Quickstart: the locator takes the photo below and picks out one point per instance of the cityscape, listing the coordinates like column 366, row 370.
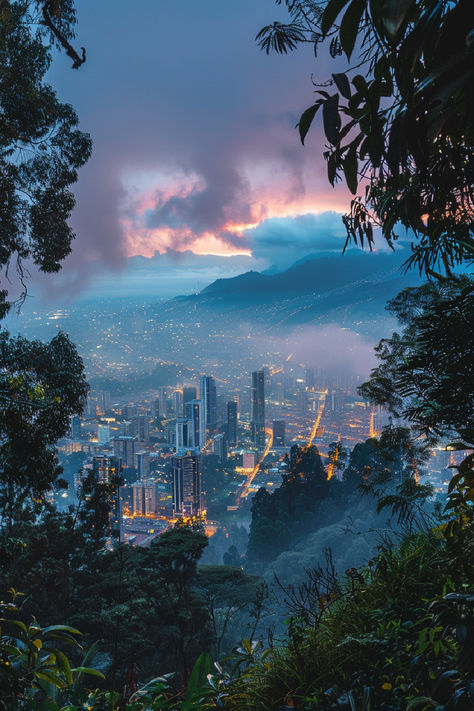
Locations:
column 201, row 451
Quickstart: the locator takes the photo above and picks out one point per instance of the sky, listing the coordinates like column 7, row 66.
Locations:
column 195, row 148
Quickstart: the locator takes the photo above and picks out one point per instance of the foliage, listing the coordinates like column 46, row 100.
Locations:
column 33, row 667
column 41, row 386
column 425, row 373
column 399, row 119
column 41, row 148
column 279, row 518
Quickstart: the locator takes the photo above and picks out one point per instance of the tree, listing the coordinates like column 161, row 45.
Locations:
column 41, row 386
column 400, row 118
column 426, row 372
column 385, row 462
column 41, row 148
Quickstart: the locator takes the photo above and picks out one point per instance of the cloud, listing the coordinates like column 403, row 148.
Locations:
column 333, row 349
column 283, row 240
column 193, row 129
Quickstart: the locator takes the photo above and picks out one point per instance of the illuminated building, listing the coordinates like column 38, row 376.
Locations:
column 140, row 428
column 257, row 408
column 187, row 489
column 142, row 463
column 103, row 434
column 278, row 433
column 207, row 395
column 76, row 431
column 248, row 460
column 232, row 423
column 178, row 403
column 183, row 431
column 144, row 499
column 107, row 470
column 220, row 446
column 196, row 431
column 124, row 447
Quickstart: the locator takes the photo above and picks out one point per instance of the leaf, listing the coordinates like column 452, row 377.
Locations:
column 63, row 664
column 307, row 119
column 393, row 13
column 38, row 643
column 88, row 670
column 60, row 628
column 198, row 677
column 331, row 11
column 350, row 25
column 331, row 119
column 342, row 83
column 350, row 166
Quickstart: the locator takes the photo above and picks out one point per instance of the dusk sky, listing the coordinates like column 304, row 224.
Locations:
column 195, row 146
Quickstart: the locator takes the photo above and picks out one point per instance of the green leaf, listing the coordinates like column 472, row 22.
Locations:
column 63, row 664
column 342, row 83
column 350, row 166
column 88, row 670
column 331, row 11
column 306, row 120
column 60, row 628
column 331, row 119
column 350, row 25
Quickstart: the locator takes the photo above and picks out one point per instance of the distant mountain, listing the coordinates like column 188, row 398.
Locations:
column 350, row 289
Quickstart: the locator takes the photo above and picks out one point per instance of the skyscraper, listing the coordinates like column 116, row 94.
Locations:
column 124, row 447
column 144, row 498
column 220, row 446
column 196, row 433
column 183, row 427
column 257, row 408
column 76, row 431
column 207, row 395
column 107, row 470
column 232, row 423
column 278, row 433
column 187, row 493
column 140, row 428
column 189, row 393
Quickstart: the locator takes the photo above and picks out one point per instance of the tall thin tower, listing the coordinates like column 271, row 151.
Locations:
column 209, row 404
column 257, row 408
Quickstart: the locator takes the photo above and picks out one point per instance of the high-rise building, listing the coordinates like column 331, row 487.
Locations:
column 207, row 395
column 278, row 433
column 187, row 489
column 232, row 423
column 189, row 393
column 220, row 446
column 257, row 408
column 183, row 428
column 104, row 402
column 124, row 447
column 142, row 463
column 196, row 431
column 144, row 498
column 107, row 470
column 178, row 403
column 76, row 431
column 140, row 428
column 103, row 434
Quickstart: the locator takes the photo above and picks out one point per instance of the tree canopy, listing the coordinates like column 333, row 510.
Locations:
column 399, row 121
column 41, row 148
column 426, row 372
